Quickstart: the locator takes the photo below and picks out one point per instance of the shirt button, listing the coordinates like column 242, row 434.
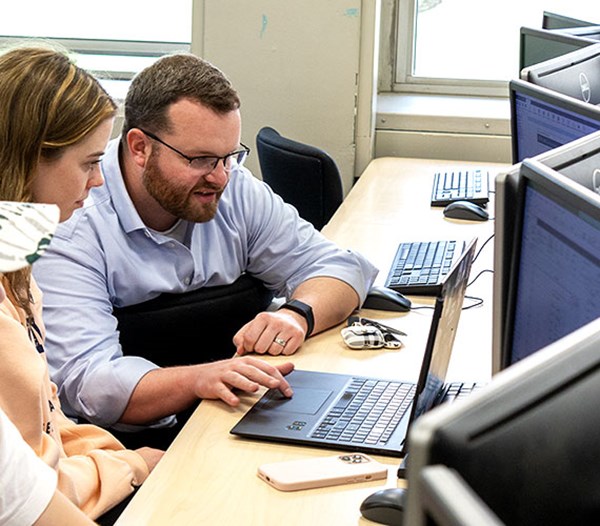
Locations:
column 187, row 281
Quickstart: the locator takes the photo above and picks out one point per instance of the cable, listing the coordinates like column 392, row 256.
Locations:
column 478, row 302
column 482, row 247
column 477, row 277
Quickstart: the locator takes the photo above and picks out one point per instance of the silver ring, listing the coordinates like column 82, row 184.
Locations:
column 280, row 341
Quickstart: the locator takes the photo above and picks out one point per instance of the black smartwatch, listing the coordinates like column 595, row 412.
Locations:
column 304, row 310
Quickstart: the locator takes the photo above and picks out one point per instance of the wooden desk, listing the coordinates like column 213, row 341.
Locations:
column 209, row 477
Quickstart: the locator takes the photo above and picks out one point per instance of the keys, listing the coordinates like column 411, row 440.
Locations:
column 421, row 265
column 368, row 412
column 471, row 185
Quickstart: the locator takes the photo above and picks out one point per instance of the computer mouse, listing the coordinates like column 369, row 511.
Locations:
column 384, row 298
column 385, row 506
column 466, row 210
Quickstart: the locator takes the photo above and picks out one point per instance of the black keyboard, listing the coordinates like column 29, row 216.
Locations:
column 367, row 413
column 460, row 185
column 458, row 390
column 419, row 267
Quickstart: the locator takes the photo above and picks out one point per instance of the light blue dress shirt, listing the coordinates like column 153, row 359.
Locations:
column 105, row 256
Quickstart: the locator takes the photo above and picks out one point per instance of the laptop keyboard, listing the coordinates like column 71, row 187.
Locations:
column 460, row 185
column 367, row 413
column 458, row 390
column 420, row 266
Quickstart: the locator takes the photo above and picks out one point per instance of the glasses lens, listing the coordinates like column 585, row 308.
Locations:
column 204, row 165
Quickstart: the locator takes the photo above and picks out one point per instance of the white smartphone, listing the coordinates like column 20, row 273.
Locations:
column 323, row 471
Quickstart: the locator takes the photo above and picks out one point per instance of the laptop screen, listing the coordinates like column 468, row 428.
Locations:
column 438, row 350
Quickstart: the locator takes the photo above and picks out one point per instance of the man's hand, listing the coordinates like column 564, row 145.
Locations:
column 219, row 379
column 279, row 332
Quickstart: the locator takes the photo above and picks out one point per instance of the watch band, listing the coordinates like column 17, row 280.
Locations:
column 304, row 310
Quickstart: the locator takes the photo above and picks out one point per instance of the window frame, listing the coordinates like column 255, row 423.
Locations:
column 108, row 47
column 401, row 78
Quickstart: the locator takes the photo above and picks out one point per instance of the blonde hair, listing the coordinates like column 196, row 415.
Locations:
column 47, row 104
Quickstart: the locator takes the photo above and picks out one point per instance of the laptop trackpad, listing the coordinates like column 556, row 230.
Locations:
column 307, row 401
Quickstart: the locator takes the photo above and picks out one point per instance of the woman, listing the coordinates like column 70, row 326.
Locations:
column 28, row 492
column 55, row 122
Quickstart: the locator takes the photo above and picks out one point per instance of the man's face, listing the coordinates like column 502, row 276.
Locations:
column 171, row 180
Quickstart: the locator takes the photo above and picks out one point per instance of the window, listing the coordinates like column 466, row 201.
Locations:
column 114, row 38
column 465, row 46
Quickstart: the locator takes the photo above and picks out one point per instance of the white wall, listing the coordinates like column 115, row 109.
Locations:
column 296, row 67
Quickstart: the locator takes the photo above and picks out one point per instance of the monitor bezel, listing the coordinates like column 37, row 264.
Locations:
column 592, row 31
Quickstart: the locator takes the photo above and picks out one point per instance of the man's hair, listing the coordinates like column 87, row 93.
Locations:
column 170, row 79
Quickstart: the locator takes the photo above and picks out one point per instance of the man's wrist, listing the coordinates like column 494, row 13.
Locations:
column 304, row 310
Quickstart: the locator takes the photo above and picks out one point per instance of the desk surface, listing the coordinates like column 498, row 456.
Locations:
column 209, row 476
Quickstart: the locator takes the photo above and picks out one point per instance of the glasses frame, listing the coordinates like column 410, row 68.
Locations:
column 245, row 150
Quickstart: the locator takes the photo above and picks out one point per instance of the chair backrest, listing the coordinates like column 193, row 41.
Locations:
column 192, row 327
column 304, row 176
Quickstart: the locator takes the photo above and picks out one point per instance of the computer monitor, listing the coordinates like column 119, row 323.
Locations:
column 589, row 32
column 576, row 74
column 539, row 45
column 543, row 119
column 578, row 162
column 554, row 283
column 552, row 20
column 525, row 445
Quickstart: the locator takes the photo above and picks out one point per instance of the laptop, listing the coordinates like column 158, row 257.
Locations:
column 319, row 413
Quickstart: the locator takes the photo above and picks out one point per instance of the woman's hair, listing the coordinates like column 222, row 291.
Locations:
column 47, row 104
column 170, row 79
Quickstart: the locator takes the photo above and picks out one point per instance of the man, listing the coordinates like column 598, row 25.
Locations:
column 179, row 212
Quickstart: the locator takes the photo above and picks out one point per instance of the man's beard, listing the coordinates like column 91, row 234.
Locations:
column 177, row 201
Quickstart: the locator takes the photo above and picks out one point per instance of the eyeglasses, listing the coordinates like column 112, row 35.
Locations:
column 205, row 164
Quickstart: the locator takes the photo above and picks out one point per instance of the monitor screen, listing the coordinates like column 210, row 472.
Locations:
column 539, row 45
column 542, row 119
column 580, row 162
column 526, row 444
column 576, row 74
column 554, row 283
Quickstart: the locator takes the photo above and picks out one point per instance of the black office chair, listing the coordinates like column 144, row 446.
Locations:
column 183, row 329
column 193, row 327
column 304, row 176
